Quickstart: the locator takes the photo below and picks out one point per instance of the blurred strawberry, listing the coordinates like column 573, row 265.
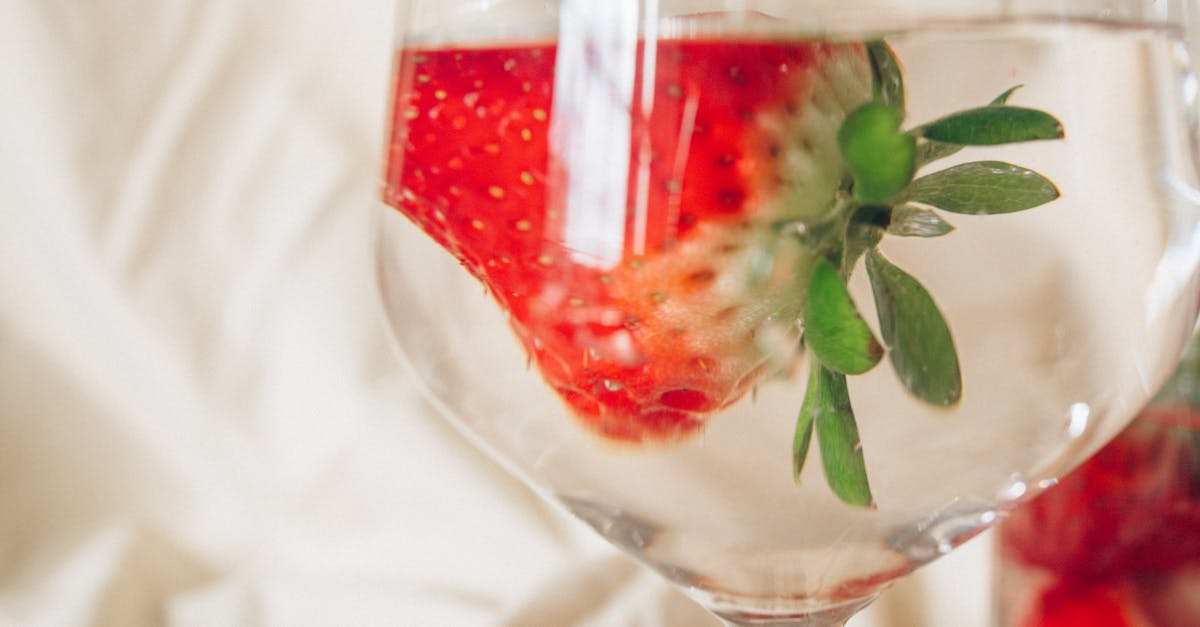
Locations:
column 1075, row 604
column 1132, row 508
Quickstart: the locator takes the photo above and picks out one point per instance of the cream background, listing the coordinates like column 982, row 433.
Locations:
column 200, row 424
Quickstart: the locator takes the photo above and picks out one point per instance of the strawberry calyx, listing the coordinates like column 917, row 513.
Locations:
column 880, row 196
column 879, row 157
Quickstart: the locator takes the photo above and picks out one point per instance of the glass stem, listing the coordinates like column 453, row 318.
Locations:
column 832, row 616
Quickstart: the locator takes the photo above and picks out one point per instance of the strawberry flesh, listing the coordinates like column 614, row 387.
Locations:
column 737, row 138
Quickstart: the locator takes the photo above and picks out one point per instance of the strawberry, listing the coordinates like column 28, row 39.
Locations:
column 1074, row 604
column 1148, row 600
column 1133, row 508
column 702, row 295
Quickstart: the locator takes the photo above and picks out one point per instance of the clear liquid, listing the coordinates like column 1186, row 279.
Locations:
column 1066, row 318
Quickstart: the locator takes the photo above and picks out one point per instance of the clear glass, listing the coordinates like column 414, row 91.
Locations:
column 601, row 227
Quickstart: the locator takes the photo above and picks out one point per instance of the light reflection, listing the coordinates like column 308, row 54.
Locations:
column 641, row 202
column 1015, row 489
column 1078, row 418
column 591, row 130
column 687, row 127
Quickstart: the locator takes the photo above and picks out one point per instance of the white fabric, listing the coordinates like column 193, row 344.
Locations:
column 200, row 424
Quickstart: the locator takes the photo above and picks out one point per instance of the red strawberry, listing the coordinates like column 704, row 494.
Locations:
column 1132, row 508
column 1074, row 604
column 700, row 291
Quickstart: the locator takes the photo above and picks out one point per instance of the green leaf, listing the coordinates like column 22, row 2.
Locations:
column 993, row 124
column 878, row 156
column 929, row 151
column 921, row 348
column 982, row 187
column 826, row 409
column 833, row 328
column 887, row 77
column 813, row 399
column 1003, row 98
column 827, row 404
column 909, row 221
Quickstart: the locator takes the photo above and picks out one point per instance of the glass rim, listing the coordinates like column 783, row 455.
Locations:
column 446, row 21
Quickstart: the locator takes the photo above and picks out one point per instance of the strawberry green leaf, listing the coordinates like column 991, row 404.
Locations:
column 982, row 187
column 827, row 404
column 879, row 157
column 993, row 124
column 833, row 328
column 813, row 399
column 886, row 75
column 1003, row 98
column 921, row 347
column 909, row 221
column 929, row 151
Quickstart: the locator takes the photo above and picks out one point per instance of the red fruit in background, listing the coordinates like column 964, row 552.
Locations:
column 1075, row 604
column 1132, row 508
column 1171, row 599
column 645, row 320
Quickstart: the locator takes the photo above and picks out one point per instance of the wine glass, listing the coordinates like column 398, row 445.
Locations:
column 788, row 298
